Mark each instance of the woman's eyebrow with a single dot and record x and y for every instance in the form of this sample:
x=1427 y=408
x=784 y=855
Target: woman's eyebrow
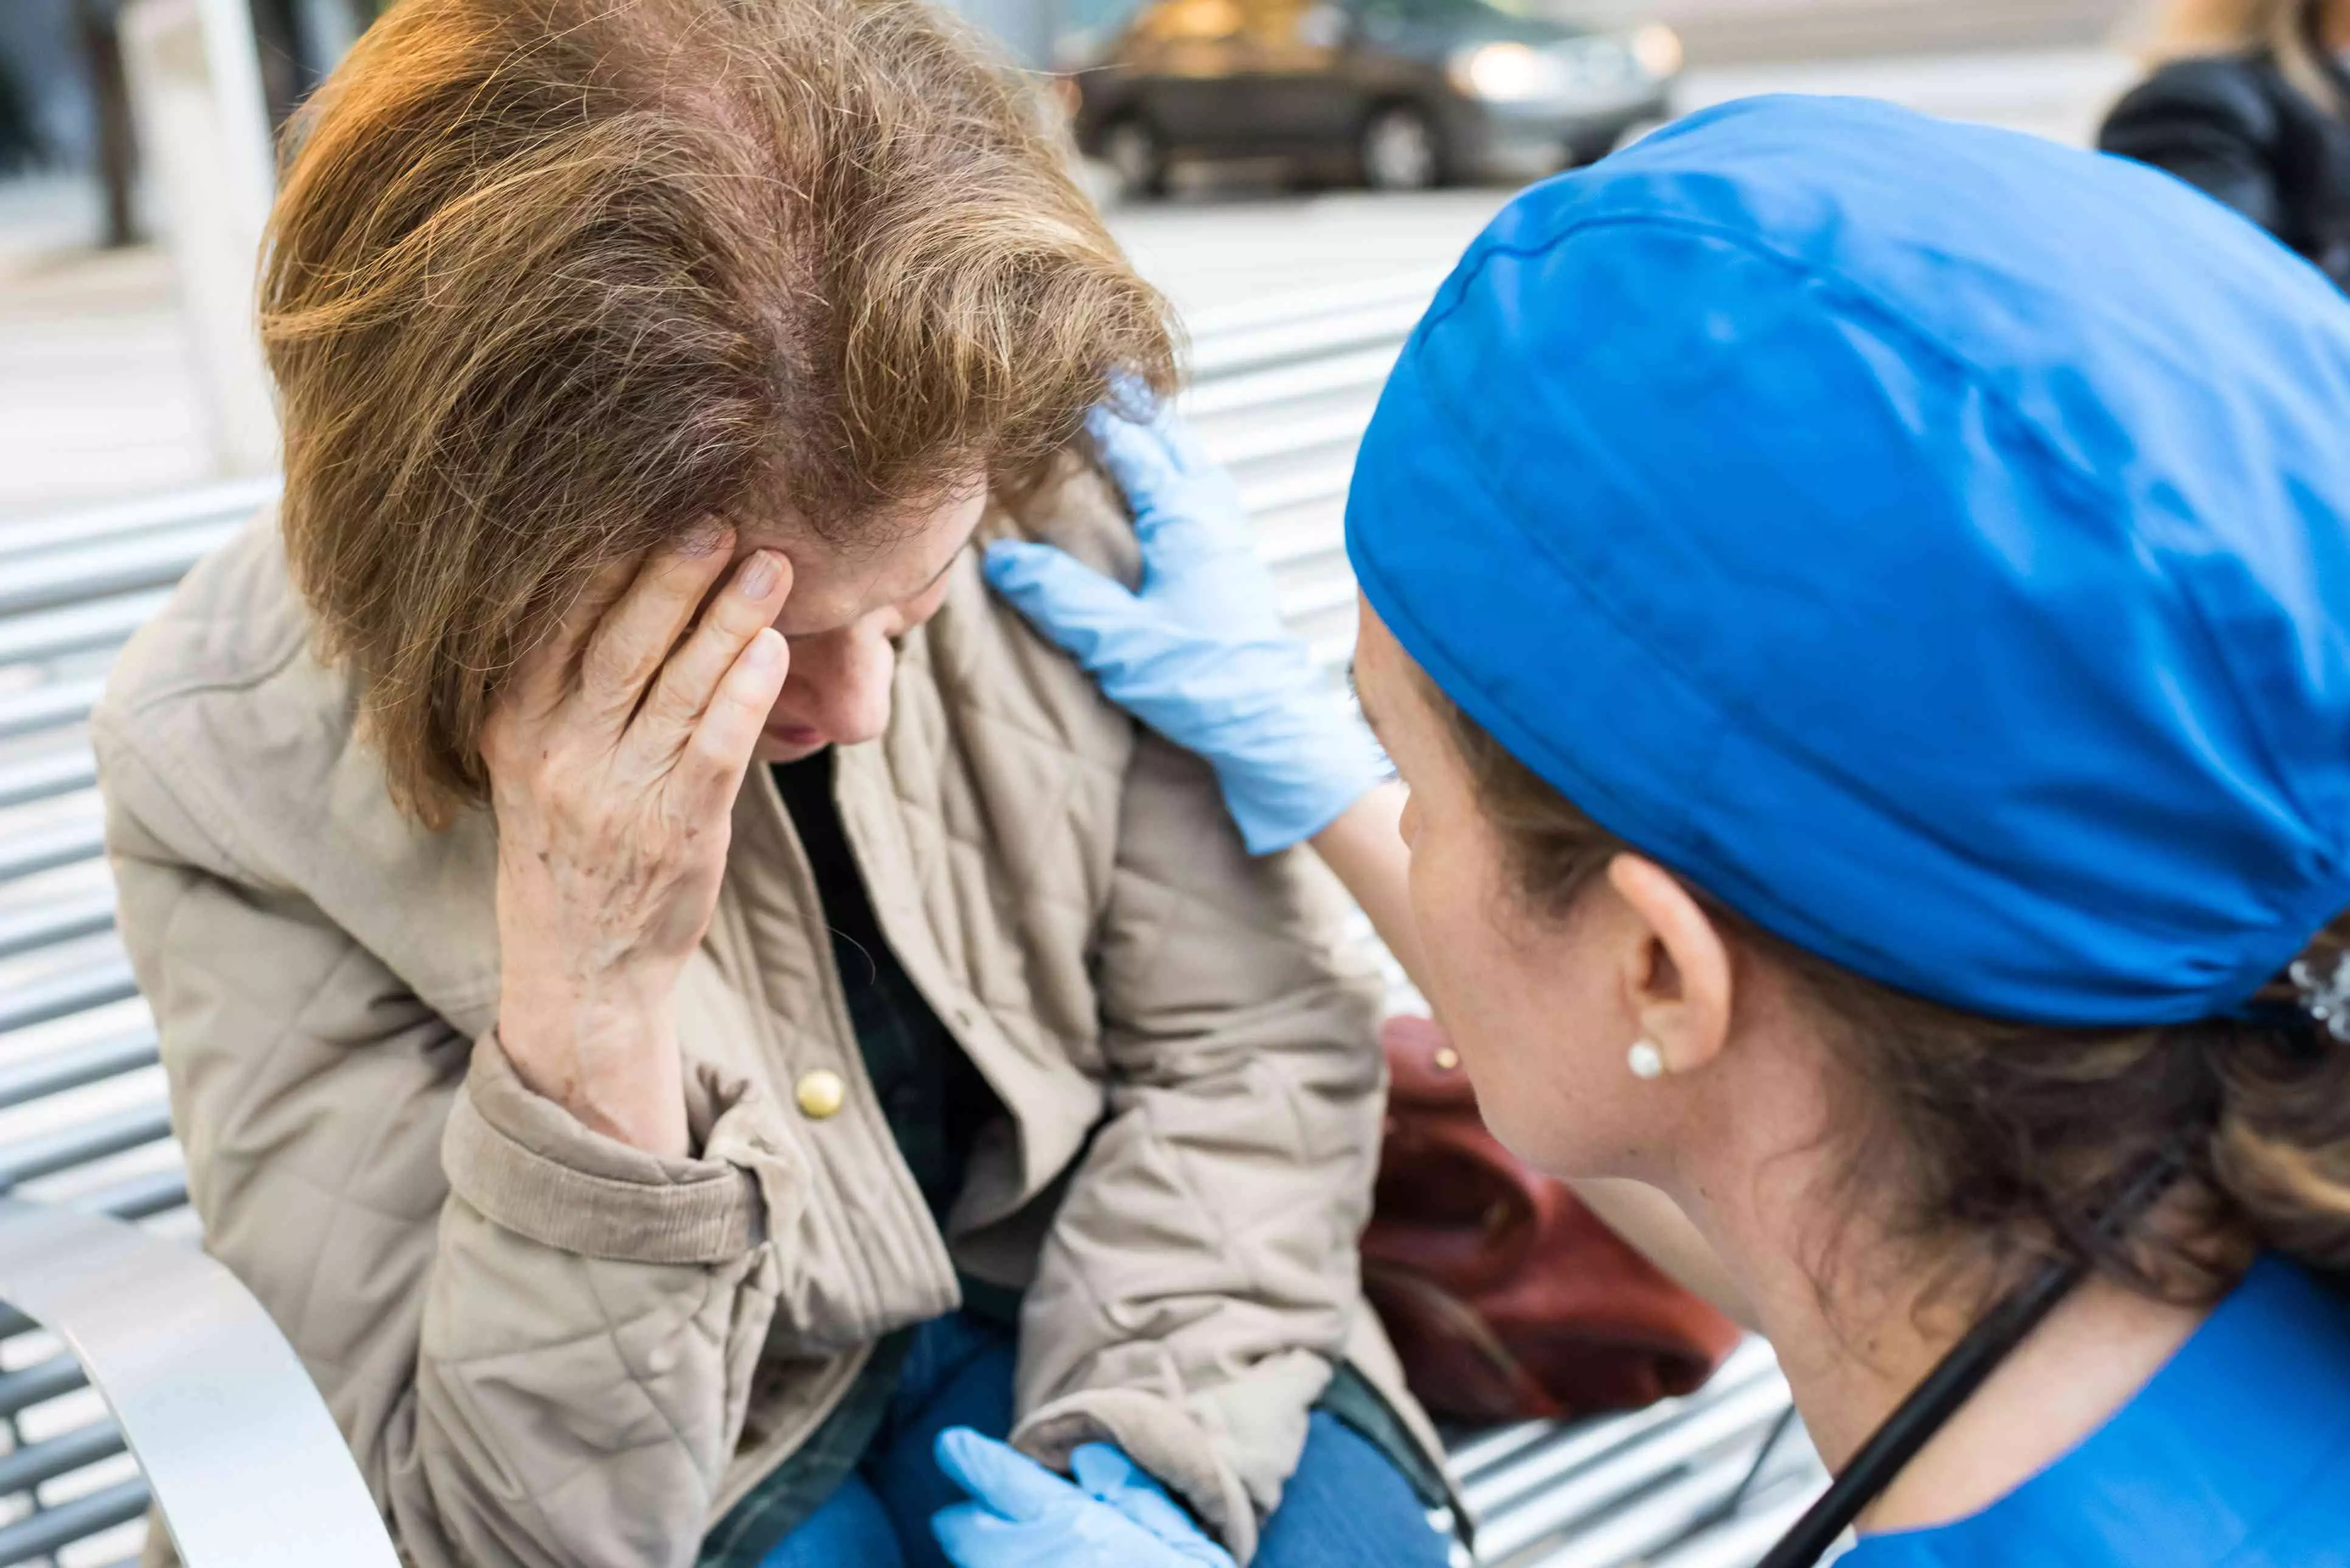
x=918 y=592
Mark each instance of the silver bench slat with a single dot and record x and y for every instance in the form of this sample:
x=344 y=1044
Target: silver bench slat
x=61 y=1524
x=1363 y=372
x=1218 y=323
x=61 y=995
x=54 y=1072
x=229 y=501
x=49 y=707
x=50 y=578
x=1483 y=1452
x=39 y=1383
x=46 y=1461
x=51 y=923
x=138 y=1197
x=33 y=850
x=1314 y=598
x=1542 y=1465
x=1317 y=485
x=1667 y=1512
x=1739 y=1543
x=1611 y=1479
x=47 y=778
x=78 y=628
x=1284 y=441
x=83 y=1143
x=1313 y=337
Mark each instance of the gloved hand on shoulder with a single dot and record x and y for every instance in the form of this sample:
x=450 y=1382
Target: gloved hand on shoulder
x=1200 y=653
x=1021 y=1515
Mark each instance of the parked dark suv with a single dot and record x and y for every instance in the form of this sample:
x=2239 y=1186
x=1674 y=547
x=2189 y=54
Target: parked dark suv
x=1407 y=93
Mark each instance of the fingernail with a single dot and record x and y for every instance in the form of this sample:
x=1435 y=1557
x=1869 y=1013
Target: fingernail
x=758 y=576
x=764 y=649
x=707 y=538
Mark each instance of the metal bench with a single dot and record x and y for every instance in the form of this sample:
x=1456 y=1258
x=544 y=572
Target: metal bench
x=133 y=1370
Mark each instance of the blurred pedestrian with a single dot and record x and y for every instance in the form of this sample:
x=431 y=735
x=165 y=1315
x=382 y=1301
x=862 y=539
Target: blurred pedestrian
x=98 y=24
x=2253 y=108
x=20 y=141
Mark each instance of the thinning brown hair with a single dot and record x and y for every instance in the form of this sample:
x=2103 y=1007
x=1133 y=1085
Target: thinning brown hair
x=2008 y=1143
x=552 y=282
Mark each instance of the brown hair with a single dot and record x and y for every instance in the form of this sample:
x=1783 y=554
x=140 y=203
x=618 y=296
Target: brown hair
x=2286 y=28
x=2014 y=1139
x=551 y=282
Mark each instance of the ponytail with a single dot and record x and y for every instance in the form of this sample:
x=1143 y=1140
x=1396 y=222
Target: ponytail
x=2281 y=1152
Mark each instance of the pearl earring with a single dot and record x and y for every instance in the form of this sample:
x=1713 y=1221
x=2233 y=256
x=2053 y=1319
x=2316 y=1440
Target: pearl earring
x=1646 y=1061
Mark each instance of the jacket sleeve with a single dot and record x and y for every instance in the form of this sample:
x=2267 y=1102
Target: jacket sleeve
x=537 y=1341
x=2209 y=123
x=1201 y=1278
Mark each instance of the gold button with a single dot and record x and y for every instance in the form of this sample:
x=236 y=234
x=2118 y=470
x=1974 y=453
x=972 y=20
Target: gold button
x=1447 y=1058
x=821 y=1094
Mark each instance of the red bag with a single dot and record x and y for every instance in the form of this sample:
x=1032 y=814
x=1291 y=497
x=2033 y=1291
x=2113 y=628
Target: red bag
x=1507 y=1299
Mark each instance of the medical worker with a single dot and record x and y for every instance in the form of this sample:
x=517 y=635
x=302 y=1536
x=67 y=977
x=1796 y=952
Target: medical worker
x=1861 y=605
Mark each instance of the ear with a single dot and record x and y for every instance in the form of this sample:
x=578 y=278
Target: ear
x=1678 y=987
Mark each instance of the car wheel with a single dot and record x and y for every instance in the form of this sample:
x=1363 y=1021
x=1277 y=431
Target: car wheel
x=1638 y=131
x=1400 y=150
x=1137 y=157
x=1589 y=150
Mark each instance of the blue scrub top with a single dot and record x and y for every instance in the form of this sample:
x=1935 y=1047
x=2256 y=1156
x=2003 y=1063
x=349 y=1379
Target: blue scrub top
x=2236 y=1453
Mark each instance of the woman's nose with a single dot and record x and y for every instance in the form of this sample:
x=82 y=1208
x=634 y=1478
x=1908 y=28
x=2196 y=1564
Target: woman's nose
x=840 y=683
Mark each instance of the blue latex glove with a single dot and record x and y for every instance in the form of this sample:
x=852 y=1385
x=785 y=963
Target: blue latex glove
x=1200 y=653
x=1025 y=1516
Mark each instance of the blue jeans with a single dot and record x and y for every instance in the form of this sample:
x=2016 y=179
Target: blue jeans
x=1347 y=1507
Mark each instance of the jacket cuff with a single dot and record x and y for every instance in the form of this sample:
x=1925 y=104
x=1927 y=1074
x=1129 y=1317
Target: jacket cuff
x=532 y=1168
x=1163 y=1437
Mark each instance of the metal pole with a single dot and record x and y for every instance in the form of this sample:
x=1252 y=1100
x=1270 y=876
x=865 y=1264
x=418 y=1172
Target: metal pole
x=233 y=62
x=196 y=82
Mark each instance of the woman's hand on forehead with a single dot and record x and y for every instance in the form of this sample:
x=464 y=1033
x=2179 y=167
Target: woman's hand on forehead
x=614 y=759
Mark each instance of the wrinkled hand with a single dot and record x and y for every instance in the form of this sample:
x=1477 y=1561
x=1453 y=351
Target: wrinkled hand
x=1025 y=1516
x=1200 y=654
x=614 y=757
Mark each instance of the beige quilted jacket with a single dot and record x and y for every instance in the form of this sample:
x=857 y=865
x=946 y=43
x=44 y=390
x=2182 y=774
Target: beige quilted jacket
x=550 y=1348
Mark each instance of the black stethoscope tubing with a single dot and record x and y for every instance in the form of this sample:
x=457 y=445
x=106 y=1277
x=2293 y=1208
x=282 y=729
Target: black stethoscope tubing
x=1932 y=1404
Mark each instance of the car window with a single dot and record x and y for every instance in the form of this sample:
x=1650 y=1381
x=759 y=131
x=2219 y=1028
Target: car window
x=1283 y=24
x=1190 y=21
x=1423 y=11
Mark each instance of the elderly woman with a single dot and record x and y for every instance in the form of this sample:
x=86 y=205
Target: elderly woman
x=1858 y=603
x=2253 y=109
x=673 y=995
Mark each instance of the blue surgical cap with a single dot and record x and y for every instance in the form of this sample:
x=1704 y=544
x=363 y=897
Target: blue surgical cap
x=1932 y=541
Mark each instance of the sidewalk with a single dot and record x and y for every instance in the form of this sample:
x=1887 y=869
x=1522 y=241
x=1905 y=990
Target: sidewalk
x=1743 y=32
x=97 y=399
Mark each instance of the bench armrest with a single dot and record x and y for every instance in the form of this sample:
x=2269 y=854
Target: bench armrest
x=238 y=1450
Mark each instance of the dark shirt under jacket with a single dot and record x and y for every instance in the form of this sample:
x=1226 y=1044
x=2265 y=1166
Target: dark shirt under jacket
x=2238 y=128
x=932 y=1092
x=935 y=1101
